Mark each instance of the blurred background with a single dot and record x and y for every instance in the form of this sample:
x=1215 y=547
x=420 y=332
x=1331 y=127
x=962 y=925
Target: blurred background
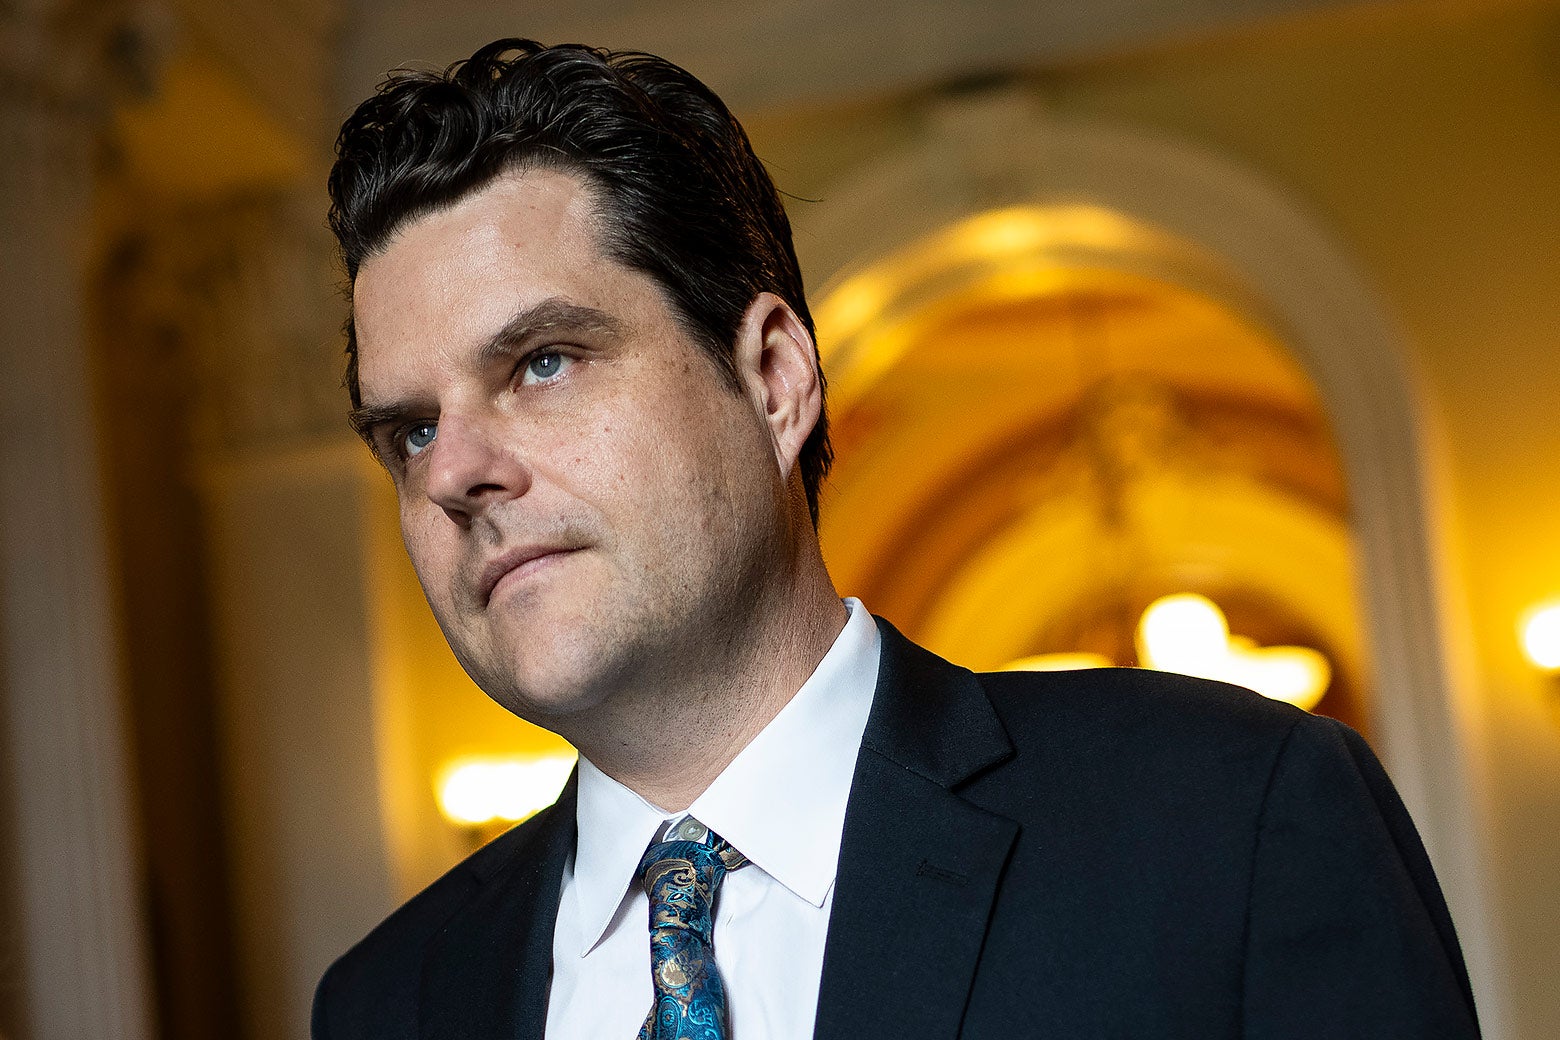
x=1216 y=336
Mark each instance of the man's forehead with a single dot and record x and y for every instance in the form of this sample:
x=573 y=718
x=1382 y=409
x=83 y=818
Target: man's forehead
x=454 y=277
x=525 y=217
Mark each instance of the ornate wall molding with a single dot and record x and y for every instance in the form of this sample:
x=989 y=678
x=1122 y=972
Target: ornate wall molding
x=241 y=291
x=80 y=55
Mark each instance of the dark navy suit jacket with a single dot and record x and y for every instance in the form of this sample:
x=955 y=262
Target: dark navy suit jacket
x=1113 y=853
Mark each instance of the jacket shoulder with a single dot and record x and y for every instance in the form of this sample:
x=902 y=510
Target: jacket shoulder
x=1126 y=750
x=1138 y=709
x=372 y=988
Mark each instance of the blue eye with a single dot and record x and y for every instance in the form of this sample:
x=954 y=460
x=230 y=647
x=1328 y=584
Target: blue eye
x=419 y=437
x=542 y=367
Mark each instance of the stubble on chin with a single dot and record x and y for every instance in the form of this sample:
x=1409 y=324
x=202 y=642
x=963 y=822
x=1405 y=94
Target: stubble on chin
x=550 y=663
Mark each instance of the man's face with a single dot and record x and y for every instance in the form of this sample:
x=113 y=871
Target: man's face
x=586 y=500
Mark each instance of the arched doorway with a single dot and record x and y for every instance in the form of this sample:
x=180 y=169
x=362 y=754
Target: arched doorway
x=1032 y=453
x=1136 y=205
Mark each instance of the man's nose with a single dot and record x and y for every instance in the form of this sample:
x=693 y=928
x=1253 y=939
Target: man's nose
x=474 y=467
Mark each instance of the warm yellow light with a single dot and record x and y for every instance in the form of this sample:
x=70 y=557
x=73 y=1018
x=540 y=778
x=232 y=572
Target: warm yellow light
x=1057 y=663
x=1004 y=232
x=476 y=791
x=848 y=308
x=1186 y=634
x=1189 y=634
x=1541 y=637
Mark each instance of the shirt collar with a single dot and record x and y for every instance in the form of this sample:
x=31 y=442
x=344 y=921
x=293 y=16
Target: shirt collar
x=781 y=801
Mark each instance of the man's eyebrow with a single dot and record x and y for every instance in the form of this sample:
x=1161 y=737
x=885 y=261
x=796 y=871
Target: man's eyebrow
x=552 y=315
x=364 y=419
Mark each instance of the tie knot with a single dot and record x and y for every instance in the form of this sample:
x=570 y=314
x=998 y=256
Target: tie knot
x=692 y=845
x=681 y=875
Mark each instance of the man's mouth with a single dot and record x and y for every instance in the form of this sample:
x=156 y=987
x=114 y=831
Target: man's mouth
x=516 y=563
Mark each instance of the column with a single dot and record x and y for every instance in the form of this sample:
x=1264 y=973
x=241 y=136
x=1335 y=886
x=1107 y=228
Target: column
x=79 y=965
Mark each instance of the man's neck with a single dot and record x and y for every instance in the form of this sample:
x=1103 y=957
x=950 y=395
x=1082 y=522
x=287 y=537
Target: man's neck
x=644 y=744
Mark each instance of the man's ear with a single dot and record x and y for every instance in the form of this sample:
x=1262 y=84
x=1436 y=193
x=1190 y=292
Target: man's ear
x=777 y=366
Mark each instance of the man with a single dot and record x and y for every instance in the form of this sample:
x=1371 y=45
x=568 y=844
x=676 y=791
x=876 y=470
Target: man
x=580 y=346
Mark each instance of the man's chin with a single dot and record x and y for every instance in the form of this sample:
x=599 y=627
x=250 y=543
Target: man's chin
x=554 y=692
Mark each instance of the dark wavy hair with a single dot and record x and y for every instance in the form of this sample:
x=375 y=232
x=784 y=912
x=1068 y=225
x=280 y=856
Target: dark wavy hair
x=680 y=195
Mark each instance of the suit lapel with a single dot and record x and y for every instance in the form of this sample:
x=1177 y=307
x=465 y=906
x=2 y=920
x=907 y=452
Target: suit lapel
x=486 y=974
x=919 y=865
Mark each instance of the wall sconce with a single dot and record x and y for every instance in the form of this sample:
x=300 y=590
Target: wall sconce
x=1187 y=633
x=1540 y=631
x=485 y=796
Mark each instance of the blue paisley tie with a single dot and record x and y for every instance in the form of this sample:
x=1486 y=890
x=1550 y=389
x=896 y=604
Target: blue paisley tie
x=681 y=875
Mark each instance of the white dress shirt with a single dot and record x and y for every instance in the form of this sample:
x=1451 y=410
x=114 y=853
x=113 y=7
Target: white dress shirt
x=781 y=802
